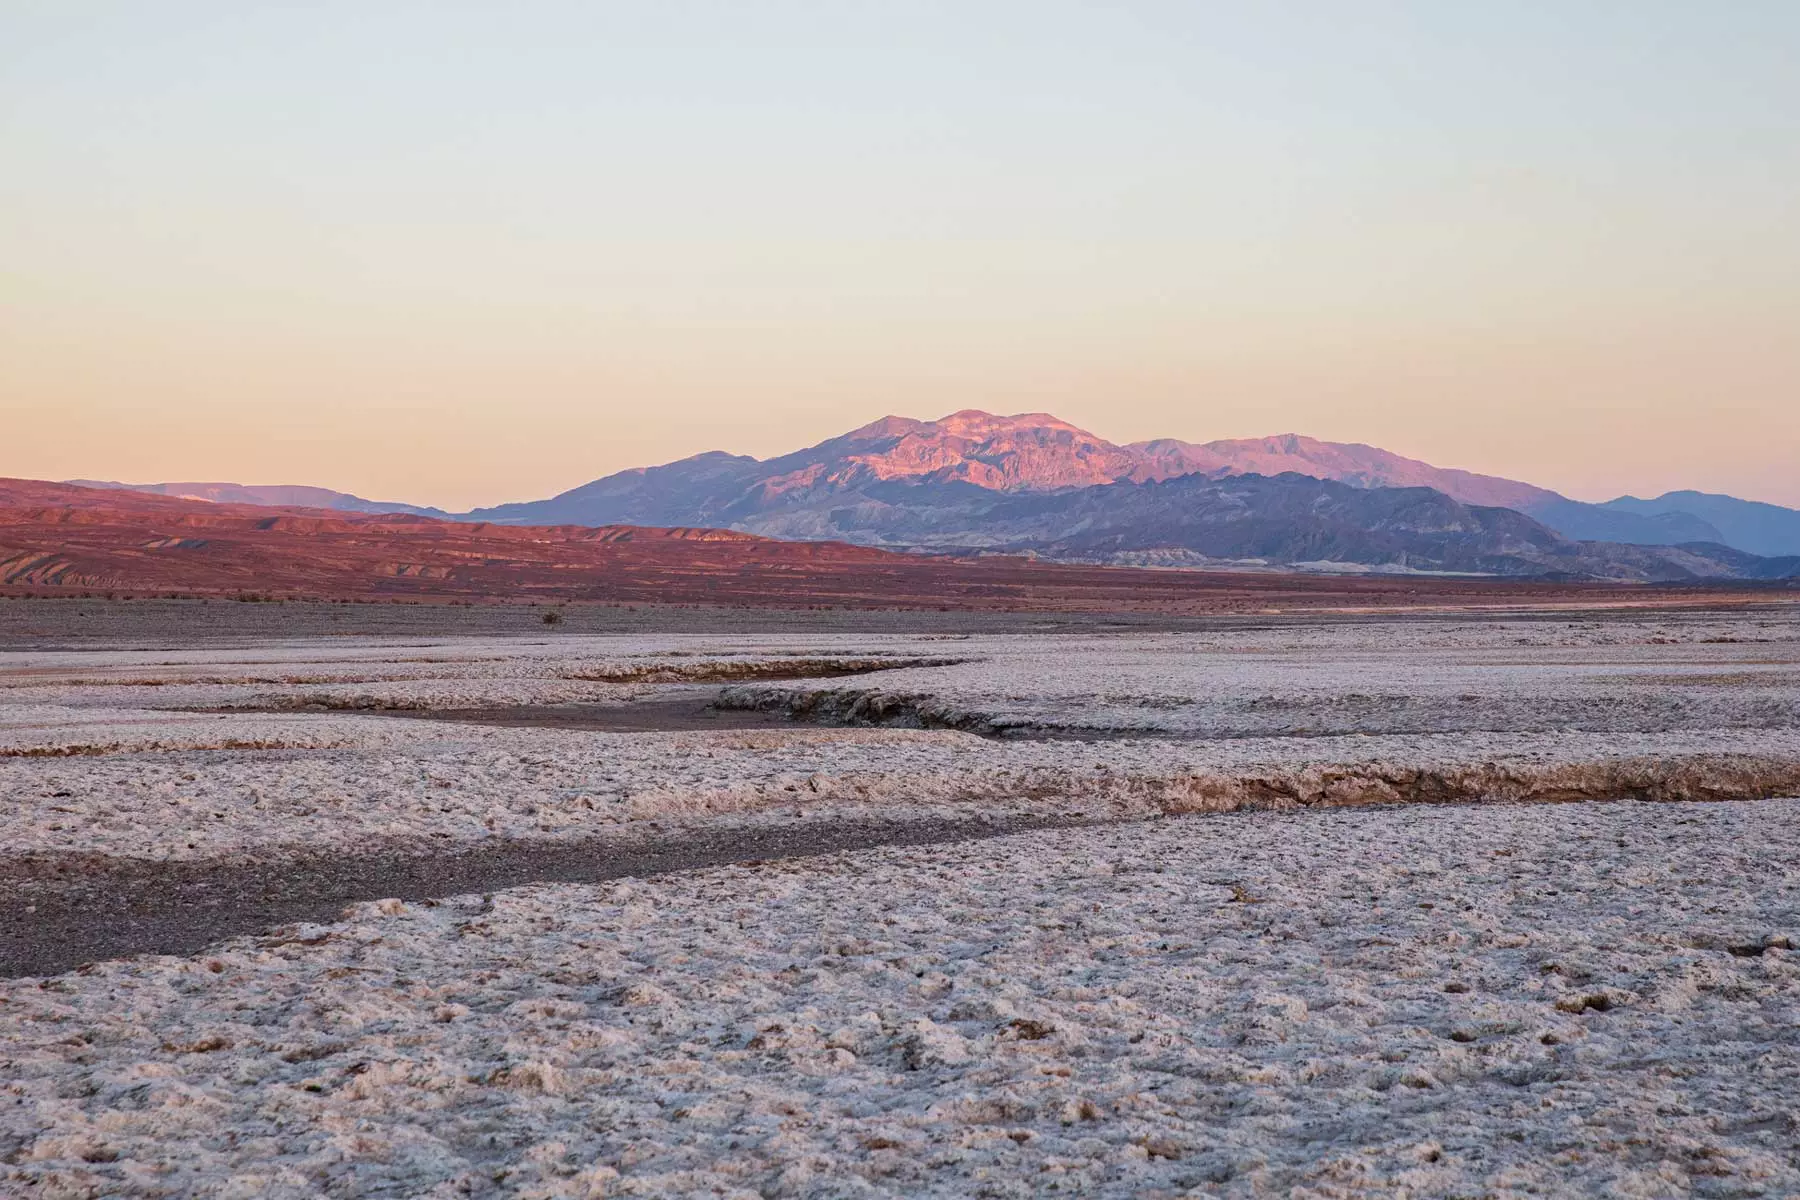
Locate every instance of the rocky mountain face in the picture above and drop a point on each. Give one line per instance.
(1346, 462)
(1250, 521)
(1371, 467)
(1321, 524)
(1028, 452)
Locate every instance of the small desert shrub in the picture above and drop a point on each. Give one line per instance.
(553, 618)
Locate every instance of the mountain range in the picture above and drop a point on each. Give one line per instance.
(1034, 484)
(61, 540)
(1747, 525)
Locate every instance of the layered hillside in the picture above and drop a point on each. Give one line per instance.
(64, 537)
(1289, 521)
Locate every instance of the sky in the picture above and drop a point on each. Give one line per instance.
(464, 253)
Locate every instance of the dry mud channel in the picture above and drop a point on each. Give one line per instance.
(1484, 907)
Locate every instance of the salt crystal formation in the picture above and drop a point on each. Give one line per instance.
(1430, 1001)
(129, 753)
(1327, 986)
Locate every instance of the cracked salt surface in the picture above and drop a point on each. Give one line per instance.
(1485, 999)
(1426, 1001)
(1297, 715)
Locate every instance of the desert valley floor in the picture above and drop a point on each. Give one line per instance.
(827, 905)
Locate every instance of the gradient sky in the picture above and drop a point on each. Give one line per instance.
(462, 253)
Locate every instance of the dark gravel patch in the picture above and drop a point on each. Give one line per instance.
(58, 911)
(703, 714)
(675, 714)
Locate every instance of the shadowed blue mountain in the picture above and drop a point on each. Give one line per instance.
(1766, 529)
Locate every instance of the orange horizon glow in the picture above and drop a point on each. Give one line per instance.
(442, 255)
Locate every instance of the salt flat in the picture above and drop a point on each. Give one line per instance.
(168, 753)
(1333, 948)
(1432, 1001)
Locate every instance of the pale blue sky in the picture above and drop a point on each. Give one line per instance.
(463, 253)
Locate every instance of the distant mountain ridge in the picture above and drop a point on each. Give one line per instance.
(62, 540)
(1037, 452)
(1032, 483)
(1027, 452)
(844, 487)
(1347, 462)
(1023, 452)
(1745, 524)
(1239, 521)
(275, 495)
(1370, 466)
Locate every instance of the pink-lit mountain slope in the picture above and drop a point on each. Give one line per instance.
(846, 487)
(1346, 462)
(839, 486)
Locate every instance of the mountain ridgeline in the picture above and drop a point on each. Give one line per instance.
(1034, 484)
(974, 482)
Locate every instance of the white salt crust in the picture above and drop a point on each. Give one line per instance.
(1423, 1001)
(120, 751)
